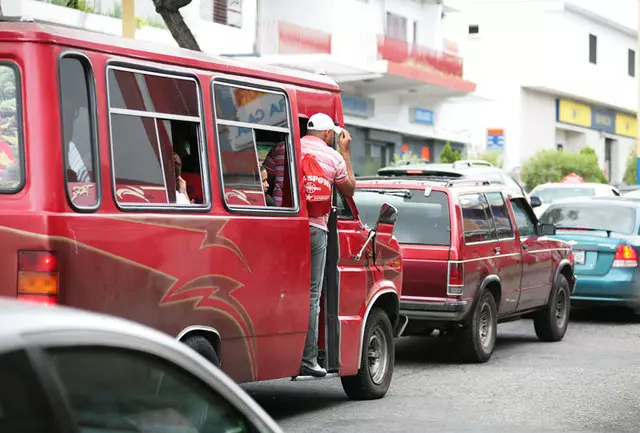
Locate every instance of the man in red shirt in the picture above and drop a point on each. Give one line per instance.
(318, 142)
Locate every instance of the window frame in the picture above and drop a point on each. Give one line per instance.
(92, 106)
(231, 81)
(493, 232)
(593, 56)
(493, 217)
(167, 72)
(631, 63)
(20, 118)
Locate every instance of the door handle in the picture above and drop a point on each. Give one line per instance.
(496, 250)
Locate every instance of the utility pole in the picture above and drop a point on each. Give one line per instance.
(128, 19)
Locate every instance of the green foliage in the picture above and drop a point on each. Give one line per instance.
(448, 155)
(409, 157)
(587, 151)
(552, 166)
(631, 170)
(370, 168)
(80, 5)
(116, 11)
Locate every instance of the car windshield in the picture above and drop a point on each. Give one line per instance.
(551, 195)
(421, 219)
(594, 216)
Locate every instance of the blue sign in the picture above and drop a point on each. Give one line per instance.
(495, 139)
(423, 116)
(603, 120)
(357, 106)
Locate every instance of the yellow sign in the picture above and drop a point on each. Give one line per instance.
(574, 113)
(626, 125)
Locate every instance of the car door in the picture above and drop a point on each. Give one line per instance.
(24, 406)
(508, 254)
(537, 260)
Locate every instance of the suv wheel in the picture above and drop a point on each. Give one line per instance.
(551, 323)
(478, 338)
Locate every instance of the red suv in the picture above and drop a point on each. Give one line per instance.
(474, 256)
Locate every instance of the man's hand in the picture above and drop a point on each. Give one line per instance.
(344, 142)
(182, 185)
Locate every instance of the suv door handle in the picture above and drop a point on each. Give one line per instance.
(496, 250)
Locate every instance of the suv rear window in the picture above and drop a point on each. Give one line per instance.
(421, 220)
(10, 130)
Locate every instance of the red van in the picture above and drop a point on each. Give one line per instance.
(90, 214)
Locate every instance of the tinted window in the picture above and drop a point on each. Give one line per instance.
(157, 158)
(254, 136)
(476, 218)
(343, 208)
(118, 390)
(550, 195)
(10, 130)
(500, 215)
(78, 131)
(620, 219)
(524, 220)
(23, 405)
(421, 220)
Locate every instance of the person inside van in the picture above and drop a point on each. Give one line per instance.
(266, 186)
(181, 194)
(335, 169)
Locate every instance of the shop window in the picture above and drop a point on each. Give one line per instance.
(155, 140)
(78, 132)
(253, 130)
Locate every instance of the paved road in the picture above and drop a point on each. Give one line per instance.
(589, 382)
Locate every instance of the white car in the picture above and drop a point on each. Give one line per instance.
(65, 370)
(543, 195)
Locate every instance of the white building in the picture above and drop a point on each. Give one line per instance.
(389, 57)
(561, 74)
(220, 26)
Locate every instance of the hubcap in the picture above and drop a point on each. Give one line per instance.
(561, 308)
(485, 329)
(377, 355)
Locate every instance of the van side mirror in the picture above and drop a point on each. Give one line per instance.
(388, 215)
(547, 229)
(535, 201)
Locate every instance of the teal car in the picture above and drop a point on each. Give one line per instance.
(605, 237)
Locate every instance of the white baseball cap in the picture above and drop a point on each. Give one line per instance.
(322, 122)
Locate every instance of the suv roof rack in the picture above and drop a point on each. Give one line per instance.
(445, 180)
(15, 19)
(472, 163)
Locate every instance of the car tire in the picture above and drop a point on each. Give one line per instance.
(551, 322)
(377, 360)
(477, 339)
(204, 347)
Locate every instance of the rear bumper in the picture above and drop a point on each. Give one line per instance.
(434, 311)
(618, 287)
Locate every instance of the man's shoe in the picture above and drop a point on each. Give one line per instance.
(315, 371)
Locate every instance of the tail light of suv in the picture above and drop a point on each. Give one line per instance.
(38, 277)
(626, 257)
(455, 278)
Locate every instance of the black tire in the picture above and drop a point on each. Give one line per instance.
(372, 381)
(551, 322)
(203, 347)
(477, 339)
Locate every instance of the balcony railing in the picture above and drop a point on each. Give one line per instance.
(399, 51)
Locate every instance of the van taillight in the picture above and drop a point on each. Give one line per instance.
(456, 279)
(626, 257)
(38, 280)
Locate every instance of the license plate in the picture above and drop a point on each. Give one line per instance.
(579, 257)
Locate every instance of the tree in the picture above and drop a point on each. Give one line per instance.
(631, 170)
(169, 10)
(552, 166)
(448, 155)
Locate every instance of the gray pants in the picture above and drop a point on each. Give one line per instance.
(318, 261)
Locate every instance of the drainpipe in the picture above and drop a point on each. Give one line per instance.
(128, 19)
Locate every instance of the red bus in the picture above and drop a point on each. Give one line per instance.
(89, 215)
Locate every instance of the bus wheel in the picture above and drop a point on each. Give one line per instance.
(376, 365)
(203, 347)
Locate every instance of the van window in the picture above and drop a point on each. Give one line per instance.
(422, 219)
(253, 131)
(11, 166)
(78, 133)
(476, 218)
(154, 117)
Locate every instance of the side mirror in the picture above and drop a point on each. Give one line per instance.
(535, 201)
(388, 215)
(547, 229)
